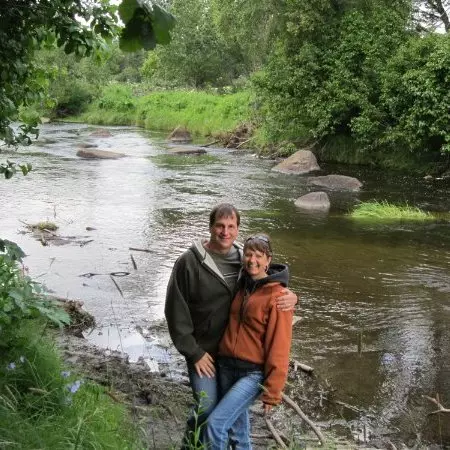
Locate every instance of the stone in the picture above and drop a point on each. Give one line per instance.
(98, 154)
(303, 161)
(187, 151)
(314, 201)
(336, 182)
(101, 132)
(180, 135)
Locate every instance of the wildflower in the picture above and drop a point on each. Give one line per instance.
(65, 373)
(74, 387)
(11, 366)
(22, 359)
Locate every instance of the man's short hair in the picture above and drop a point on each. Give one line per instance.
(223, 210)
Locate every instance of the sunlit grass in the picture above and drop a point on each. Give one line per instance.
(384, 210)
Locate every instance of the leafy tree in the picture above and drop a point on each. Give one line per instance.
(80, 28)
(432, 14)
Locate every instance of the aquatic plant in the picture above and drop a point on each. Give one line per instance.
(384, 210)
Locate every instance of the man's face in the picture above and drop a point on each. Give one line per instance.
(223, 233)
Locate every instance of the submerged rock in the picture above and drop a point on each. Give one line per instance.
(303, 161)
(337, 182)
(98, 154)
(314, 201)
(188, 151)
(101, 132)
(180, 135)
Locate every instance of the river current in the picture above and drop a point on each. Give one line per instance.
(374, 298)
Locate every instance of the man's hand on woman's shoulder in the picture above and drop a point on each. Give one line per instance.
(286, 300)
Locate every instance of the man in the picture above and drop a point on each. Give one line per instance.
(198, 299)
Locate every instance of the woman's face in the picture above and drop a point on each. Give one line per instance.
(256, 263)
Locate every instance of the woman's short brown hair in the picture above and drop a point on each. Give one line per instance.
(260, 243)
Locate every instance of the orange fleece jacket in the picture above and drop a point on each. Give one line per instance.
(261, 334)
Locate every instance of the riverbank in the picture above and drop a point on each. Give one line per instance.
(217, 117)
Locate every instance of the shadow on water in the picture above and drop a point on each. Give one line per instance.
(375, 299)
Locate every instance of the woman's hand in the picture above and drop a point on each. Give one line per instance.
(287, 300)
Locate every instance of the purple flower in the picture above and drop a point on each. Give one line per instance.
(75, 386)
(65, 373)
(11, 366)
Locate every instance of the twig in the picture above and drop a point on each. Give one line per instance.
(274, 432)
(346, 405)
(298, 410)
(304, 367)
(117, 286)
(244, 142)
(86, 242)
(140, 250)
(441, 408)
(209, 143)
(134, 262)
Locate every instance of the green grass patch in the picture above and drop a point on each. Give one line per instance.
(43, 405)
(46, 225)
(200, 112)
(385, 211)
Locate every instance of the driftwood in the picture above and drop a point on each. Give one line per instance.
(274, 432)
(140, 249)
(304, 367)
(209, 143)
(243, 142)
(436, 401)
(298, 410)
(134, 262)
(117, 286)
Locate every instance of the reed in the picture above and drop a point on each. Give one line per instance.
(384, 210)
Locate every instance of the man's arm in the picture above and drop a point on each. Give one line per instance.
(286, 300)
(178, 316)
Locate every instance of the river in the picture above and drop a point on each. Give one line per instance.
(375, 299)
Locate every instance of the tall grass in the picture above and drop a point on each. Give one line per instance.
(42, 405)
(375, 210)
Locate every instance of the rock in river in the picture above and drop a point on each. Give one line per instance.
(187, 151)
(300, 162)
(180, 135)
(98, 154)
(336, 182)
(314, 201)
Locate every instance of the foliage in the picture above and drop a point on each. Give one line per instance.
(197, 55)
(117, 97)
(20, 297)
(44, 405)
(386, 211)
(28, 26)
(9, 168)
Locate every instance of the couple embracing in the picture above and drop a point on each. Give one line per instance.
(229, 314)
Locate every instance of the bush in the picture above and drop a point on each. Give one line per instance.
(117, 97)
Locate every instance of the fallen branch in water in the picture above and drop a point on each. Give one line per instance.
(298, 410)
(134, 262)
(140, 249)
(436, 401)
(117, 286)
(209, 143)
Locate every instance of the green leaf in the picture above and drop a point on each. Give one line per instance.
(163, 22)
(127, 10)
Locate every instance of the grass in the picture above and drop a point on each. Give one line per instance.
(42, 405)
(385, 211)
(46, 225)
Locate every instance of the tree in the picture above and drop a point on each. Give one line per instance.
(432, 14)
(80, 27)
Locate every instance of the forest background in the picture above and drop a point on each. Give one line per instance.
(358, 81)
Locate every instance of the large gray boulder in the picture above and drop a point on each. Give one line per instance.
(314, 201)
(98, 154)
(336, 182)
(187, 151)
(300, 162)
(180, 135)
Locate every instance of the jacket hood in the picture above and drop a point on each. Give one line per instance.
(278, 273)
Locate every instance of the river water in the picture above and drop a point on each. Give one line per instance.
(375, 299)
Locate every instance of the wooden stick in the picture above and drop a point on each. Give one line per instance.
(304, 367)
(436, 401)
(244, 142)
(298, 410)
(134, 262)
(274, 432)
(117, 286)
(209, 143)
(140, 250)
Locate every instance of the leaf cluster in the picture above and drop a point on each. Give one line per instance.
(20, 297)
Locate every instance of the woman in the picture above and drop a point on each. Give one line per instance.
(254, 350)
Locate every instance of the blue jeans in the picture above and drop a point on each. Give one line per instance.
(240, 388)
(206, 396)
